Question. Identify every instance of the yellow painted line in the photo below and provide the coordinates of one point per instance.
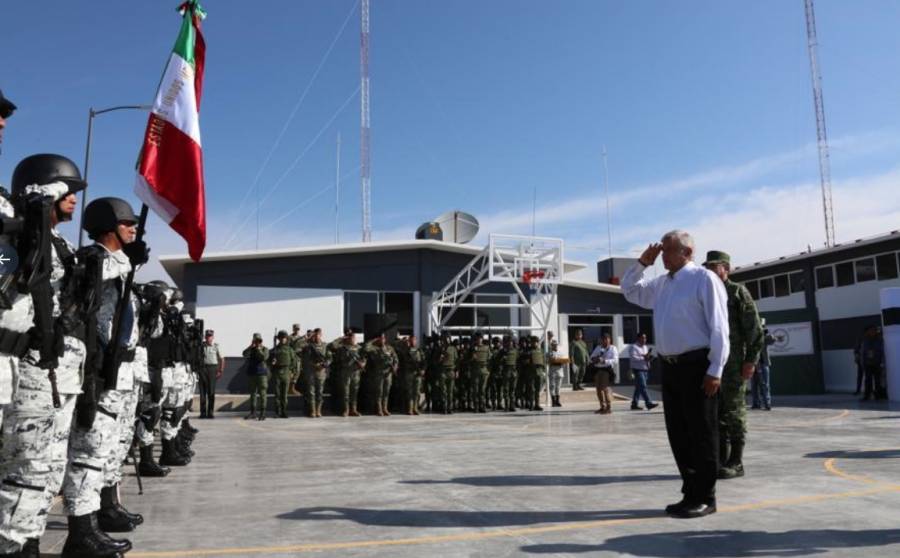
(245, 424)
(505, 533)
(834, 470)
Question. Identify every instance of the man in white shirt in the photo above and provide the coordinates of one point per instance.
(690, 320)
(639, 358)
(604, 358)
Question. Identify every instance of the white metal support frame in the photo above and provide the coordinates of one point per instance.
(534, 261)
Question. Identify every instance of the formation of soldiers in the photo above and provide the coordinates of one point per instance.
(91, 364)
(474, 374)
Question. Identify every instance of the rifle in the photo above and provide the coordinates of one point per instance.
(86, 288)
(34, 278)
(112, 357)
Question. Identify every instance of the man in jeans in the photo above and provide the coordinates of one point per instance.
(213, 365)
(639, 360)
(762, 395)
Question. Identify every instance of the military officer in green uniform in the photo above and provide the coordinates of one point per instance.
(297, 340)
(351, 361)
(579, 356)
(479, 361)
(256, 356)
(746, 340)
(448, 358)
(537, 375)
(412, 372)
(383, 362)
(509, 372)
(495, 379)
(316, 359)
(283, 362)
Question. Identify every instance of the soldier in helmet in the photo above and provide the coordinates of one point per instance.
(351, 361)
(35, 436)
(479, 373)
(383, 361)
(256, 356)
(509, 363)
(412, 371)
(297, 340)
(283, 362)
(87, 495)
(447, 360)
(316, 360)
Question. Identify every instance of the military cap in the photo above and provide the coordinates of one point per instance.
(257, 336)
(348, 332)
(717, 257)
(282, 333)
(6, 106)
(296, 326)
(209, 332)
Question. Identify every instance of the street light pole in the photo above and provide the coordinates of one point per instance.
(87, 154)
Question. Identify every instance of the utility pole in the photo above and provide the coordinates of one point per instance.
(821, 136)
(608, 212)
(365, 127)
(337, 194)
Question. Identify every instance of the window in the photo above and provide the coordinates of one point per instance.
(753, 287)
(781, 285)
(865, 270)
(492, 316)
(887, 266)
(844, 272)
(824, 277)
(798, 282)
(766, 288)
(402, 305)
(645, 325)
(463, 317)
(589, 319)
(356, 306)
(629, 329)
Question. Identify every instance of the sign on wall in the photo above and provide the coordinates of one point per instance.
(791, 339)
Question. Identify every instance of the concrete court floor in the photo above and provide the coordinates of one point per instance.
(823, 479)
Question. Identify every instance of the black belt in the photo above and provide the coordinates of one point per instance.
(697, 355)
(127, 355)
(17, 484)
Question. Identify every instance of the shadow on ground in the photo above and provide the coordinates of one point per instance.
(716, 544)
(446, 518)
(875, 454)
(886, 417)
(545, 480)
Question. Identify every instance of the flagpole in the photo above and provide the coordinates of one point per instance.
(87, 154)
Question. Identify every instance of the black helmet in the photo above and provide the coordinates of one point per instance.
(46, 168)
(7, 107)
(282, 333)
(159, 283)
(104, 214)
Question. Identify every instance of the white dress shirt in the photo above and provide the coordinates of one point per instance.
(636, 356)
(690, 311)
(608, 357)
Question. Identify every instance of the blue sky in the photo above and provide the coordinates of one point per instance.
(704, 107)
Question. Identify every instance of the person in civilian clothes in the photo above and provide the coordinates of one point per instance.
(604, 357)
(690, 320)
(639, 358)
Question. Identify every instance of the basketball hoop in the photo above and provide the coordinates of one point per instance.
(529, 276)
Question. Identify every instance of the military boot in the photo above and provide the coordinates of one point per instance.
(353, 411)
(183, 447)
(186, 424)
(148, 466)
(409, 409)
(734, 468)
(319, 409)
(384, 407)
(85, 540)
(109, 500)
(378, 410)
(250, 415)
(187, 432)
(170, 455)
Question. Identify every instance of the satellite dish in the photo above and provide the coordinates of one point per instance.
(458, 226)
(429, 231)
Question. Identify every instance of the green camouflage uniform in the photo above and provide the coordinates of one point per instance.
(297, 342)
(447, 360)
(478, 375)
(412, 371)
(316, 358)
(351, 361)
(537, 374)
(257, 380)
(383, 362)
(495, 381)
(283, 362)
(509, 361)
(746, 340)
(579, 356)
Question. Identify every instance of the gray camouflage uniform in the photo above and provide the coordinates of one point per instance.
(33, 455)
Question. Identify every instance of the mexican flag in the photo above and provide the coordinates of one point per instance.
(170, 167)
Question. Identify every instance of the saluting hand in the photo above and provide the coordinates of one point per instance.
(650, 254)
(711, 385)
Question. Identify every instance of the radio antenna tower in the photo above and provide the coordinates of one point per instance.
(821, 136)
(364, 131)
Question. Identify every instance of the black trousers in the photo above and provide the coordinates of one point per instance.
(207, 378)
(692, 424)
